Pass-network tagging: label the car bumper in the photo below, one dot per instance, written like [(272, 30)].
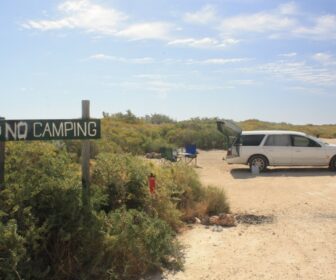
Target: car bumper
[(234, 160)]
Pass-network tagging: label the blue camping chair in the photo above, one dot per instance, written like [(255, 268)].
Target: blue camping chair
[(190, 153)]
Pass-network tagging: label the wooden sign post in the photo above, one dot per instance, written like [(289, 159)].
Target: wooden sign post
[(86, 159), (2, 161)]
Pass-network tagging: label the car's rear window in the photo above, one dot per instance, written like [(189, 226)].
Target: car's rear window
[(251, 140)]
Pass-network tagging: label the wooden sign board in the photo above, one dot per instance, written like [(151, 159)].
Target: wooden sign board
[(21, 130)]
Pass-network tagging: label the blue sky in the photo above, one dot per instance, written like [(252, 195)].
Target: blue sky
[(235, 59)]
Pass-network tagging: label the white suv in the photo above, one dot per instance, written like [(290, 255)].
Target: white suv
[(276, 148)]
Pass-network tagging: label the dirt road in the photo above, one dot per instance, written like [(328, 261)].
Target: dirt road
[(299, 244)]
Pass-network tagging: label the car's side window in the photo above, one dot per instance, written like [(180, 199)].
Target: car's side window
[(251, 140), (301, 141), (278, 140), (312, 143)]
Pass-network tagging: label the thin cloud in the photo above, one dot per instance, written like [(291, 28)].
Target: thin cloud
[(299, 71), (101, 56), (205, 15), (289, 8), (206, 43), (283, 22), (84, 15), (323, 28), (291, 54), (141, 60), (162, 86), (147, 30), (246, 82), (305, 90), (147, 60), (276, 20), (219, 61), (324, 58), (258, 23), (158, 85)]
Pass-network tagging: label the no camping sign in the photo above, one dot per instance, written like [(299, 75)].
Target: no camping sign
[(83, 129)]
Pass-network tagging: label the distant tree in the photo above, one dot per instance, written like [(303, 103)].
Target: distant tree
[(158, 119), (129, 117), (106, 115)]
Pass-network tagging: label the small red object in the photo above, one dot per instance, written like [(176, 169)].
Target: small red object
[(151, 183)]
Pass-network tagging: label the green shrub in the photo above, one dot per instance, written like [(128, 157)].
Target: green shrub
[(122, 181), (33, 164), (42, 196), (12, 250), (216, 201), (123, 178), (137, 244), (185, 186)]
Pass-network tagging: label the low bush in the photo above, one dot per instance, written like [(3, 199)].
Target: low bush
[(216, 201), (184, 187), (121, 180), (12, 250), (138, 243)]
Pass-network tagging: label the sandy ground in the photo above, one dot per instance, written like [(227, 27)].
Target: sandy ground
[(299, 244)]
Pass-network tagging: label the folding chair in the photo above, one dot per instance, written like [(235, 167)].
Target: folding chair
[(168, 154), (190, 153)]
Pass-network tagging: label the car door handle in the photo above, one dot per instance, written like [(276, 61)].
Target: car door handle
[(297, 151)]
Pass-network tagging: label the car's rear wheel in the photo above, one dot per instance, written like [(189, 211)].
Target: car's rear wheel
[(259, 161), (332, 164)]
